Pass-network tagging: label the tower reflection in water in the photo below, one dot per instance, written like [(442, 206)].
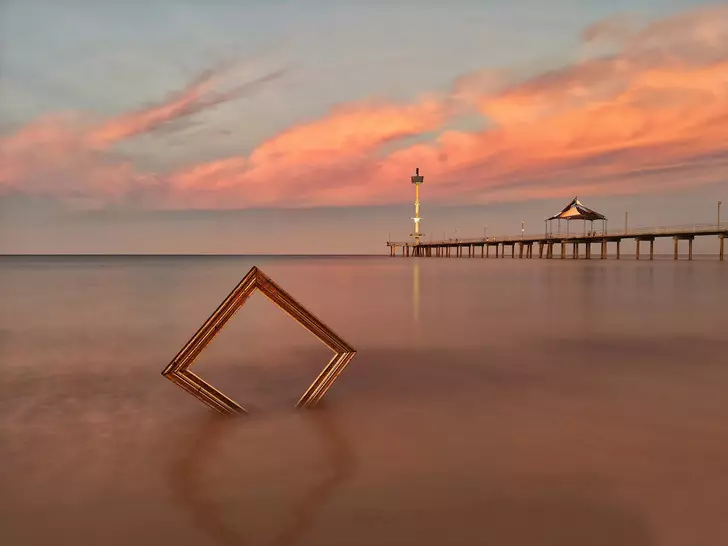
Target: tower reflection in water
[(416, 291)]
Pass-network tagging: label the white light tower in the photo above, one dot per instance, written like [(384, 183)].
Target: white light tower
[(417, 180)]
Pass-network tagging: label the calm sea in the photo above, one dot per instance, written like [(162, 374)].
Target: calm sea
[(492, 402)]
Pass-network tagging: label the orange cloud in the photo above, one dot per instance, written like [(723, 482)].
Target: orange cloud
[(70, 153), (311, 162), (651, 115)]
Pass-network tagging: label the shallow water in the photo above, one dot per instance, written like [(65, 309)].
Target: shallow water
[(504, 402)]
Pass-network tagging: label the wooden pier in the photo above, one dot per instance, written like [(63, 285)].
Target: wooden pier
[(561, 245)]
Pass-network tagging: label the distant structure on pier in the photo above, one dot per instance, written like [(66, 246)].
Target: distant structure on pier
[(577, 211), (417, 180)]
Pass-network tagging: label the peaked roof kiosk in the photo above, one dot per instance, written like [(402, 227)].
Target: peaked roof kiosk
[(576, 211)]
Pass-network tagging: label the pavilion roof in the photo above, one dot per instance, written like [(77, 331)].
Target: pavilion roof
[(577, 211)]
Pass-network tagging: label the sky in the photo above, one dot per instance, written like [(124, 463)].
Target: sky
[(292, 127)]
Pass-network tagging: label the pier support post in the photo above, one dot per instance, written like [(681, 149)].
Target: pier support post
[(496, 249), (721, 248), (520, 250), (576, 251), (513, 250), (482, 251), (637, 246), (604, 250), (652, 249), (563, 250), (619, 244), (588, 250), (690, 248), (487, 251), (676, 246)]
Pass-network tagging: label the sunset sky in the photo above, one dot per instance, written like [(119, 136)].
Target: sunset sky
[(181, 126)]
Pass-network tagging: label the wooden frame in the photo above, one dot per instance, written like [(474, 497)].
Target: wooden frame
[(178, 370)]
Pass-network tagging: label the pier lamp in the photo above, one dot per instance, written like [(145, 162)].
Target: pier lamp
[(523, 228), (720, 203)]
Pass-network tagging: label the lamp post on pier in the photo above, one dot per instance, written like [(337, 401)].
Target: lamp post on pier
[(485, 232), (626, 216), (523, 229), (720, 203)]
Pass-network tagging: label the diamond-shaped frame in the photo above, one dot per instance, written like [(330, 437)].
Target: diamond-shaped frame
[(178, 370)]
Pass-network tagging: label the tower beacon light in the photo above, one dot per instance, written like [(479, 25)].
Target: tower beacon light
[(417, 180)]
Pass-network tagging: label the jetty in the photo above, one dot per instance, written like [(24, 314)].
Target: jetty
[(560, 246), (555, 243)]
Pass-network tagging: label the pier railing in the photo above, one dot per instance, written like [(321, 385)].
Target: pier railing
[(680, 229)]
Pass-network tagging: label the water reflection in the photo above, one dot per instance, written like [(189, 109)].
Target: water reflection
[(342, 462), (187, 476), (416, 291)]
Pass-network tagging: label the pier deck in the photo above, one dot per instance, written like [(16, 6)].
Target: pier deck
[(555, 245)]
